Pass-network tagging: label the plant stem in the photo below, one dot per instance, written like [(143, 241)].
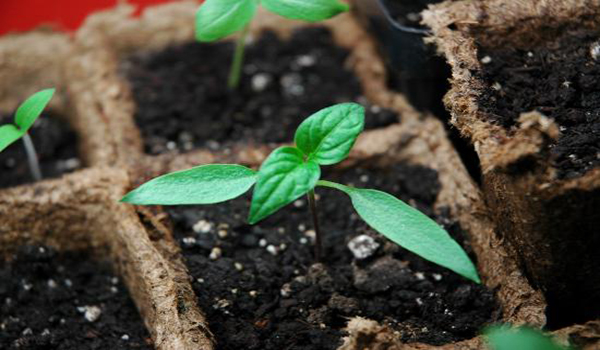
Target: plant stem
[(238, 58), (313, 210), (34, 165)]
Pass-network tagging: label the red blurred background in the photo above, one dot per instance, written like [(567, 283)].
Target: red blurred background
[(22, 15)]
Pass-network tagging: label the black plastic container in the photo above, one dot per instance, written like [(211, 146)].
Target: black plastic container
[(415, 69)]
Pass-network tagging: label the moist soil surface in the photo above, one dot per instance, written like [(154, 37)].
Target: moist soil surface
[(65, 301), (560, 79), (55, 144), (183, 101), (261, 289)]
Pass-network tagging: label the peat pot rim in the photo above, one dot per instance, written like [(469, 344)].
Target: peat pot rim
[(458, 26)]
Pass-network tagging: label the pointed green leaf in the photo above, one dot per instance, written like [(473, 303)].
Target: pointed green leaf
[(328, 135), (205, 184), (9, 134), (521, 338), (216, 19), (282, 178), (31, 109), (409, 228), (306, 10)]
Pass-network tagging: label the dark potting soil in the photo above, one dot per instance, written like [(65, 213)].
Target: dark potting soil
[(408, 13), (183, 101), (560, 79), (261, 289), (55, 144), (65, 301)]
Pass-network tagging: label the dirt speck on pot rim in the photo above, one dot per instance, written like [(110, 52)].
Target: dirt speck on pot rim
[(65, 301), (266, 292), (183, 101), (558, 79)]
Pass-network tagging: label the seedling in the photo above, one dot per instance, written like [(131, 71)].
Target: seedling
[(521, 338), (219, 18), (289, 172), (26, 115)]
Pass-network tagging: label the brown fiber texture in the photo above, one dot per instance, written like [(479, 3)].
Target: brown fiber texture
[(550, 225)]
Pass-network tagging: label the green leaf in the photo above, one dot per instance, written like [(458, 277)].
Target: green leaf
[(216, 19), (306, 10), (9, 134), (328, 135), (409, 228), (521, 338), (30, 110), (282, 178), (205, 184)]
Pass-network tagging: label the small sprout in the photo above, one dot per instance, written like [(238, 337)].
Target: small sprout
[(290, 172), (523, 338), (217, 19), (26, 115)]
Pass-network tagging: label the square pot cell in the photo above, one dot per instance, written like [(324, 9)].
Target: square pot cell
[(81, 232), (30, 63), (260, 287), (168, 93), (65, 300), (524, 92)]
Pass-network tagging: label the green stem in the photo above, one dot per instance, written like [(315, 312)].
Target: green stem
[(325, 183), (34, 165), (238, 58), (315, 218)]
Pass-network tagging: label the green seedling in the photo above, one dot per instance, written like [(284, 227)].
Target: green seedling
[(26, 115), (289, 172), (217, 19), (522, 338)]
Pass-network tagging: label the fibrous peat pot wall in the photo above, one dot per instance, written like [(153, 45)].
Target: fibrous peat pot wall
[(96, 79), (80, 213), (541, 175)]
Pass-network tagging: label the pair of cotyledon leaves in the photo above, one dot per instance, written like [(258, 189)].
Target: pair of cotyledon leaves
[(26, 115), (218, 18), (288, 173)]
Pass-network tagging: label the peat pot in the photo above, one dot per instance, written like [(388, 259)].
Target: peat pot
[(524, 90)]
